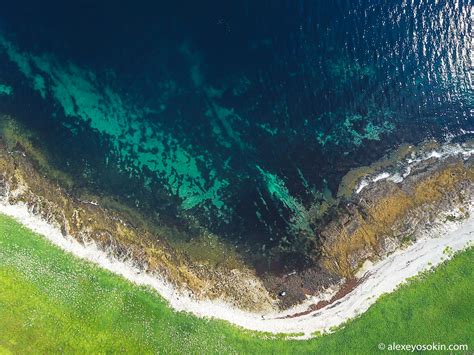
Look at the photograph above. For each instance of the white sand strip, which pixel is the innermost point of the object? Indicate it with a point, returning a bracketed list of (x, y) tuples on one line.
[(385, 276)]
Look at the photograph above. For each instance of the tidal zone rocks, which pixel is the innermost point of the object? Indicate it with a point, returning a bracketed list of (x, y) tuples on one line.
[(26, 177), (378, 209), (382, 208), (386, 214)]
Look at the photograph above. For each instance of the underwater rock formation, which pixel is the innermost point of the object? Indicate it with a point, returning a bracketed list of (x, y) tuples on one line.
[(246, 158), (404, 193), (26, 177), (403, 198)]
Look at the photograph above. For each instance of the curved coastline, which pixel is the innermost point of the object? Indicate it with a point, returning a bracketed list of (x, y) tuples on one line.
[(380, 264), (384, 276), (293, 178)]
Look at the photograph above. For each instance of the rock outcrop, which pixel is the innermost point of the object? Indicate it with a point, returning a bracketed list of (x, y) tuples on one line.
[(367, 221), (26, 178), (383, 216)]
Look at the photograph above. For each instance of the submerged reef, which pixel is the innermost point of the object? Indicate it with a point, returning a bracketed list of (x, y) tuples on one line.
[(258, 165), (257, 155), (27, 177), (379, 208), (406, 192), (209, 146), (139, 143), (6, 89)]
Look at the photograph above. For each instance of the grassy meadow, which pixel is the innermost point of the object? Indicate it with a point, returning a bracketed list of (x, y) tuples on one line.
[(50, 302)]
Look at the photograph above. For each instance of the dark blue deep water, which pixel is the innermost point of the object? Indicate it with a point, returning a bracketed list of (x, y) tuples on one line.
[(236, 116)]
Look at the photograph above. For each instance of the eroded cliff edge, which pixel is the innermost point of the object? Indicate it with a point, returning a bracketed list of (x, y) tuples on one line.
[(377, 210)]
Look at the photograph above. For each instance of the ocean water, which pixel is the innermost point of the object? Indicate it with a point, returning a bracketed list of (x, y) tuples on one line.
[(240, 117)]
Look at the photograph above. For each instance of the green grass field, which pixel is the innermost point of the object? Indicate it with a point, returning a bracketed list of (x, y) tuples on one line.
[(51, 301)]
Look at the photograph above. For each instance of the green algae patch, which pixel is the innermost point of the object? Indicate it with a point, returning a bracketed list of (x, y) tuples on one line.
[(51, 301), (6, 90), (277, 189), (353, 129)]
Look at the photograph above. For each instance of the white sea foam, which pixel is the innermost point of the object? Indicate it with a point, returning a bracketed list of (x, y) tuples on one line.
[(385, 276), (381, 176), (397, 177), (362, 184)]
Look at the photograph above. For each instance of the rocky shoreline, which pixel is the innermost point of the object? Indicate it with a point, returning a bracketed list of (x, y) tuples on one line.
[(407, 193), (25, 178), (379, 209), (437, 244)]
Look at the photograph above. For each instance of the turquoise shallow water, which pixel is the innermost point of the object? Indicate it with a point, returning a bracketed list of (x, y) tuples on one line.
[(238, 117)]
